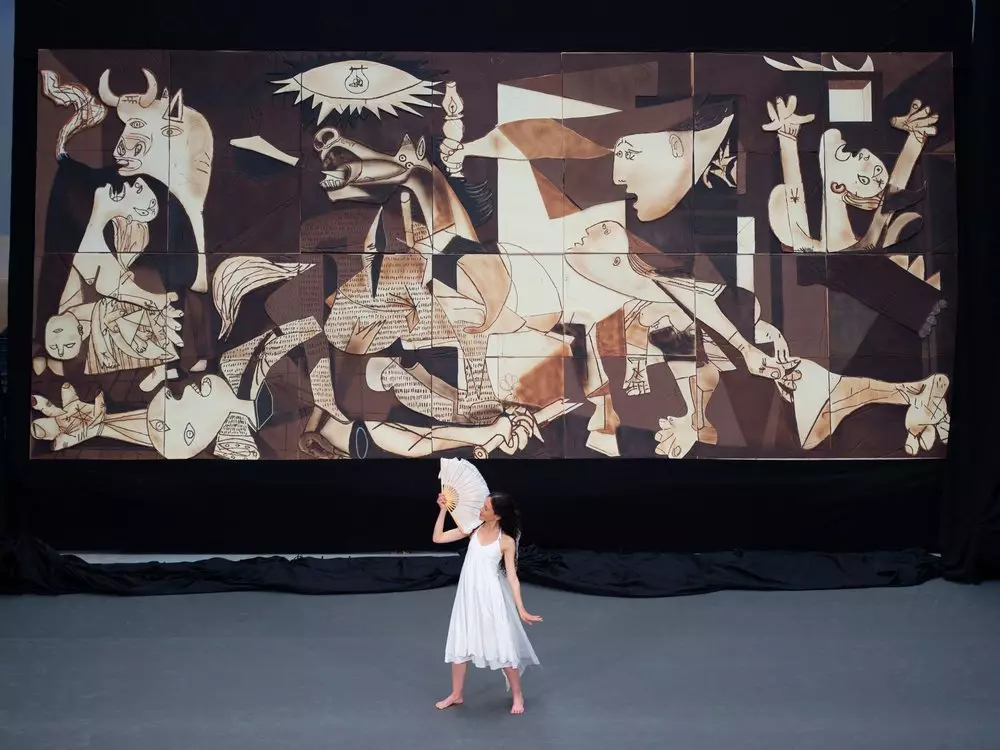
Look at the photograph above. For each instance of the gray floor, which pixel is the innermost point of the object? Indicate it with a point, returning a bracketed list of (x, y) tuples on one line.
[(879, 669)]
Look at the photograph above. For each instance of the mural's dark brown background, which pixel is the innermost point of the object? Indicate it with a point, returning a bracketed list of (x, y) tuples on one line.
[(824, 304), (623, 504)]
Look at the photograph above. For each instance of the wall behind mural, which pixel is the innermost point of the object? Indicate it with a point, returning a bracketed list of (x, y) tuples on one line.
[(300, 256)]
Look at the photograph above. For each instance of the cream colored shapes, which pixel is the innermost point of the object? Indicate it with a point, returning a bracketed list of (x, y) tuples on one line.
[(917, 268), (521, 104), (804, 66), (238, 276), (850, 101), (259, 145), (356, 85), (746, 248)]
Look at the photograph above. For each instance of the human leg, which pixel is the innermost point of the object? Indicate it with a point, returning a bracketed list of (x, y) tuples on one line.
[(513, 676), (457, 684)]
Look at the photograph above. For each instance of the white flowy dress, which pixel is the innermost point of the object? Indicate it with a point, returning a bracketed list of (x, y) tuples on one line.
[(485, 628)]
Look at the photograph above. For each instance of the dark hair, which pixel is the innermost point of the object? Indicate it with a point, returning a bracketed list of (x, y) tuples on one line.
[(510, 519)]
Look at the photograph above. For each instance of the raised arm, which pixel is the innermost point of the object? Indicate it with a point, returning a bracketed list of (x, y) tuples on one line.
[(787, 206), (440, 535), (508, 547), (523, 140), (920, 123)]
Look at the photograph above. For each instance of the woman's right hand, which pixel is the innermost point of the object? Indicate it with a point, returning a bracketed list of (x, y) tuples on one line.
[(784, 120), (442, 502)]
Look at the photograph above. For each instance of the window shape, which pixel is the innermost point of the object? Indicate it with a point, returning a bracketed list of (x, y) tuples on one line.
[(850, 100)]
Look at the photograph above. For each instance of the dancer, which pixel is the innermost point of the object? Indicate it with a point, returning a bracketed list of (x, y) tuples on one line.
[(484, 625)]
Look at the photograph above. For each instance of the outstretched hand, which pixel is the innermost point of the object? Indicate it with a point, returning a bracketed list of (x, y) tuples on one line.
[(70, 424), (516, 428), (919, 121), (783, 119), (927, 419), (528, 618)]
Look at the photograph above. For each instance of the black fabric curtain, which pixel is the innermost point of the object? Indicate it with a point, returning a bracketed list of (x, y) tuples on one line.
[(28, 566), (970, 526), (5, 489), (968, 517)]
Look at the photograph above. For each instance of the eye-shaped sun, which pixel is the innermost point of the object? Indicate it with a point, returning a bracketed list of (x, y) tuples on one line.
[(356, 85)]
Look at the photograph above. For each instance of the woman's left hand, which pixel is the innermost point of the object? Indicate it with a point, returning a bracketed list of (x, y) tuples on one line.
[(920, 121), (529, 618)]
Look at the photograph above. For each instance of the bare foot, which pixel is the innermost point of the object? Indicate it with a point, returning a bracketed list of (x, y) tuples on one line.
[(636, 377), (764, 366), (928, 417), (451, 700), (676, 437), (518, 707)]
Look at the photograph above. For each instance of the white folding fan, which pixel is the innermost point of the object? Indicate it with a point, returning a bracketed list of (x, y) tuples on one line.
[(465, 492)]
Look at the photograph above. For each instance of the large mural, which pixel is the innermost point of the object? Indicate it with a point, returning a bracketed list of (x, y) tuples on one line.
[(305, 256)]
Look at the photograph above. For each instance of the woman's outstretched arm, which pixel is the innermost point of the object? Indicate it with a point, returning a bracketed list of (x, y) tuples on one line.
[(507, 546), (440, 535)]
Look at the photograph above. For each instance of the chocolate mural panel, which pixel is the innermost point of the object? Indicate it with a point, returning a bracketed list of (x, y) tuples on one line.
[(312, 256)]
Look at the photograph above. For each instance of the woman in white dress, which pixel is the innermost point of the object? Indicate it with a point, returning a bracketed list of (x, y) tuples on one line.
[(486, 619)]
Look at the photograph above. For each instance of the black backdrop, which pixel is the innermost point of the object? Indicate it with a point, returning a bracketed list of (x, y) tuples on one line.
[(619, 505)]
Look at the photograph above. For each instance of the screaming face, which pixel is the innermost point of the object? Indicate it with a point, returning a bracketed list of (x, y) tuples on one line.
[(134, 200), (860, 175)]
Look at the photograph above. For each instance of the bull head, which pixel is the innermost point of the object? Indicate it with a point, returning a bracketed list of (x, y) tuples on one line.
[(139, 150), (169, 142)]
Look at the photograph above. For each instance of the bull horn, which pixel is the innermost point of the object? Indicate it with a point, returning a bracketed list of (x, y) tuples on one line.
[(151, 86), (104, 90)]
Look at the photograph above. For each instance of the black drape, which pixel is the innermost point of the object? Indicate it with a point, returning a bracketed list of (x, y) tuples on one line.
[(4, 490), (970, 525), (28, 566), (887, 505)]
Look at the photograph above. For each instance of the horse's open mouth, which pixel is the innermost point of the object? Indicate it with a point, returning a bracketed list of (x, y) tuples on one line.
[(336, 179)]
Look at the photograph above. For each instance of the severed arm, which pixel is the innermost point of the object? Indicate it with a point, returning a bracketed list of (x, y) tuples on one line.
[(129, 427), (76, 421), (525, 140)]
